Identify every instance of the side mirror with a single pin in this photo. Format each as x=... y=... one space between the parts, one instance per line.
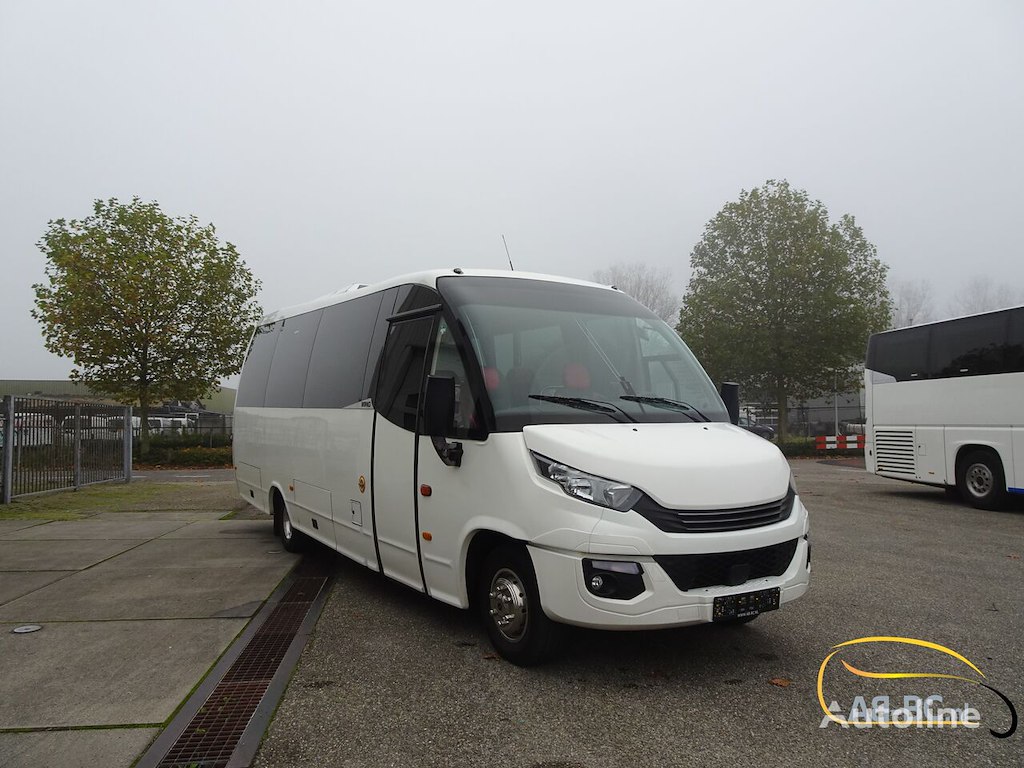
x=438 y=416
x=731 y=395
x=438 y=405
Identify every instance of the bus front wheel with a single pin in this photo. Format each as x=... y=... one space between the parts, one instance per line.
x=981 y=480
x=509 y=605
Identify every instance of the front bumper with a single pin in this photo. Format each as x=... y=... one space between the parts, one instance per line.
x=565 y=597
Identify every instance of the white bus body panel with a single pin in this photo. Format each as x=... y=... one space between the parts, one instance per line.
x=925 y=424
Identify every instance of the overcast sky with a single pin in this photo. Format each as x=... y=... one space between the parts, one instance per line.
x=343 y=142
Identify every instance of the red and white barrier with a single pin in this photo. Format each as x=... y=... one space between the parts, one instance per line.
x=839 y=442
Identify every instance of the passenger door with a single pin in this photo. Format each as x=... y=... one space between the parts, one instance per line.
x=397 y=405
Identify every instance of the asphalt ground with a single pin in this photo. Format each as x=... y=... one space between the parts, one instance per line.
x=391 y=678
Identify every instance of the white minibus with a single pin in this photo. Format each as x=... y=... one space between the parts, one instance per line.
x=545 y=451
x=945 y=405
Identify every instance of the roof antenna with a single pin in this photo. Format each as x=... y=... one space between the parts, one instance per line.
x=508 y=254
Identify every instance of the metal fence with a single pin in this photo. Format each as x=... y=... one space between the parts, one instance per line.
x=210 y=428
x=50 y=445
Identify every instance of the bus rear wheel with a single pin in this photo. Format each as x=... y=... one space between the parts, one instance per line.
x=292 y=540
x=981 y=481
x=509 y=604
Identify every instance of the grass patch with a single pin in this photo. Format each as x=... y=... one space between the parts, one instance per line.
x=85 y=502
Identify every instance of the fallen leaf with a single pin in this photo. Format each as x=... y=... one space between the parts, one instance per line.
x=782 y=682
x=490 y=656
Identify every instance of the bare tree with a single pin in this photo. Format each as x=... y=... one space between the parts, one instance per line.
x=651 y=286
x=912 y=302
x=981 y=294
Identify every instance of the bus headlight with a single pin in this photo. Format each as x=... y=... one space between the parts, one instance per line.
x=587 y=487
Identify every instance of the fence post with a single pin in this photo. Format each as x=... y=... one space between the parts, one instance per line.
x=129 y=438
x=8 y=450
x=78 y=448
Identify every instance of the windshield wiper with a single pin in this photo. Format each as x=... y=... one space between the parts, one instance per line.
x=598 y=406
x=664 y=402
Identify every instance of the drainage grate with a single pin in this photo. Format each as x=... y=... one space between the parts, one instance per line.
x=215 y=730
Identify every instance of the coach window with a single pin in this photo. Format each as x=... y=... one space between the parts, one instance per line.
x=412 y=297
x=448 y=362
x=338 y=362
x=902 y=355
x=1015 y=342
x=287 y=380
x=252 y=388
x=401 y=371
x=969 y=347
x=380 y=333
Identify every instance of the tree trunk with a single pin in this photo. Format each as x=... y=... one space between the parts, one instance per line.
x=143 y=422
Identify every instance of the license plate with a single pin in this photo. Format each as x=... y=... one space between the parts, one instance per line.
x=746 y=604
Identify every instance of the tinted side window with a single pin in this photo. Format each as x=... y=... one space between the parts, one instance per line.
x=252 y=387
x=1015 y=342
x=969 y=347
x=901 y=354
x=287 y=380
x=380 y=333
x=401 y=372
x=412 y=297
x=338 y=363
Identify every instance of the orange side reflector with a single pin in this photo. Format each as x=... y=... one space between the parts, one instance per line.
x=428 y=536
x=426 y=490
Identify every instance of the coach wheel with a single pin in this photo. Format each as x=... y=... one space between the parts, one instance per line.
x=981 y=481
x=509 y=605
x=292 y=539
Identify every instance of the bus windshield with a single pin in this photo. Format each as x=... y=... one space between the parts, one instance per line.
x=561 y=353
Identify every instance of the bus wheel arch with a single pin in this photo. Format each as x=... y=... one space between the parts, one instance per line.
x=980 y=477
x=480 y=546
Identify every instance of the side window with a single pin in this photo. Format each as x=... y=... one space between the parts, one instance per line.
x=402 y=371
x=380 y=333
x=448 y=362
x=1015 y=342
x=901 y=354
x=338 y=363
x=412 y=297
x=287 y=380
x=252 y=387
x=969 y=347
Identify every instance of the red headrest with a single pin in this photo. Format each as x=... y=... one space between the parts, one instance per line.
x=576 y=376
x=492 y=379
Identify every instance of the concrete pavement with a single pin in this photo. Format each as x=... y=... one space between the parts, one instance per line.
x=135 y=607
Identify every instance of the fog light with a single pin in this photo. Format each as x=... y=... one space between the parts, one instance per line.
x=613 y=579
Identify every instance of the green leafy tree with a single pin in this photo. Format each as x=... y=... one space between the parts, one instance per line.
x=149 y=307
x=781 y=299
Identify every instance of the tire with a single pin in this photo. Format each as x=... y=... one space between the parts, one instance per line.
x=981 y=481
x=293 y=540
x=509 y=605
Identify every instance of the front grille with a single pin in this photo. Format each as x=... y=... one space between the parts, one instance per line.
x=727 y=568
x=894 y=451
x=712 y=520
